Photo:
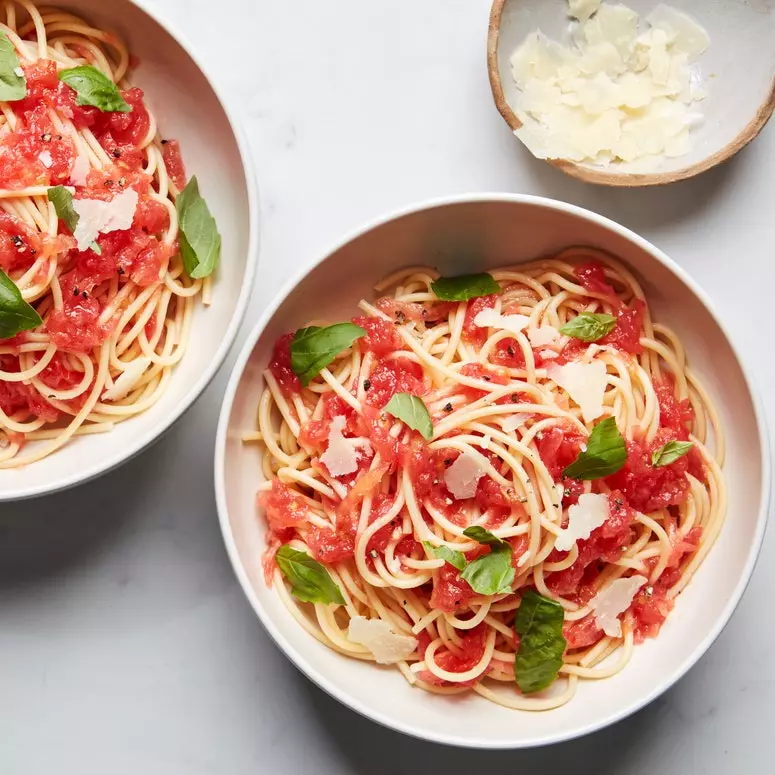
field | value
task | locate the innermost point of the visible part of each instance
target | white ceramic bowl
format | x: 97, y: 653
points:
x: 474, y: 234
x: 187, y: 107
x: 738, y: 69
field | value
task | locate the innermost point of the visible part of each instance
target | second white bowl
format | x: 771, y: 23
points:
x: 475, y: 234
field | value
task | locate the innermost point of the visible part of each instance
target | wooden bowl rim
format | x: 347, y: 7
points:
x: 602, y: 177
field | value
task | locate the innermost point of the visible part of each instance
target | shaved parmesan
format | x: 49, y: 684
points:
x: 585, y: 383
x: 489, y: 318
x: 341, y: 455
x: 516, y: 420
x: 44, y: 157
x: 377, y: 636
x: 98, y: 217
x: 605, y: 98
x: 80, y: 171
x: 583, y: 9
x: 18, y: 71
x: 587, y: 515
x: 462, y: 477
x: 127, y: 380
x: 543, y: 335
x: 614, y: 600
x: 684, y: 34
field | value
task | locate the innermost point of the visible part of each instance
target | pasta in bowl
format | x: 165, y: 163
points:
x: 111, y: 223
x: 497, y: 483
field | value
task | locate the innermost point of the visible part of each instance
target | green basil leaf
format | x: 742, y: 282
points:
x: 94, y: 88
x: 62, y: 200
x: 200, y: 241
x: 605, y: 454
x: 465, y: 287
x: 483, y: 536
x: 412, y: 411
x: 589, y: 326
x: 490, y: 574
x: 670, y: 453
x: 452, y: 556
x: 313, y: 348
x: 12, y: 85
x: 16, y: 315
x: 539, y: 624
x: 310, y: 581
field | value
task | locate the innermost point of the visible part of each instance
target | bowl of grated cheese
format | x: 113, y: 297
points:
x: 634, y: 94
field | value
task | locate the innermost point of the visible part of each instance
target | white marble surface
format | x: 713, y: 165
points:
x: 125, y: 644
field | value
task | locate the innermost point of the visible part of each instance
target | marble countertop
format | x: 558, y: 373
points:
x: 126, y: 645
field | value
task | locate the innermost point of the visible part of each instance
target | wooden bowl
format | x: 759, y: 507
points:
x: 738, y: 69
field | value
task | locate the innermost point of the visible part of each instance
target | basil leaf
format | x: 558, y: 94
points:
x: 412, y: 411
x: 670, y: 453
x: 15, y: 314
x: 589, y: 326
x: 94, y: 88
x: 62, y: 200
x: 310, y: 581
x: 313, y: 348
x: 12, y: 85
x: 606, y: 453
x: 465, y: 287
x: 200, y: 241
x: 541, y: 643
x: 452, y: 556
x: 490, y: 574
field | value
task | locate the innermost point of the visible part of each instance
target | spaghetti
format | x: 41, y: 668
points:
x: 482, y: 368
x: 116, y: 316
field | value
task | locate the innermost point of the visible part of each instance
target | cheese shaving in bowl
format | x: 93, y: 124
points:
x: 617, y: 94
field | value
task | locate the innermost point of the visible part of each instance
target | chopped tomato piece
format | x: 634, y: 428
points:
x: 173, y: 161
x: 397, y: 375
x: 592, y: 278
x: 18, y: 397
x: 381, y: 337
x: 471, y: 332
x: 284, y: 507
x: 280, y: 366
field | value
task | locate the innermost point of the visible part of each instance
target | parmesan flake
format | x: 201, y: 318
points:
x: 462, y: 477
x: 542, y: 335
x: 44, y: 157
x: 585, y: 383
x: 80, y: 171
x: 516, y: 420
x: 613, y: 600
x: 588, y: 514
x: 378, y: 637
x: 98, y: 217
x: 127, y: 380
x: 489, y: 318
x: 341, y: 455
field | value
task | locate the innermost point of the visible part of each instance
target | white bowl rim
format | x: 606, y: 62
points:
x: 320, y: 679
x: 125, y: 454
